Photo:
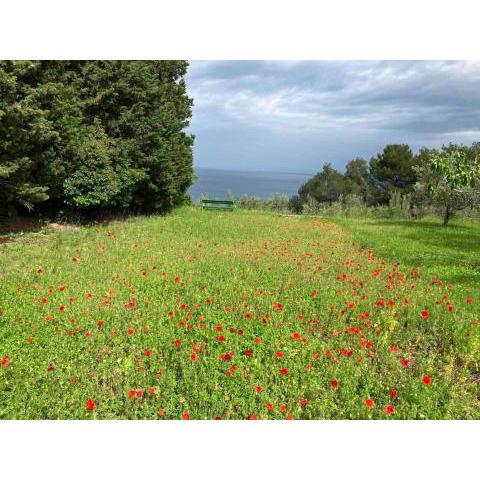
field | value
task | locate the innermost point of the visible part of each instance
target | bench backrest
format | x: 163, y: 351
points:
x: 219, y: 204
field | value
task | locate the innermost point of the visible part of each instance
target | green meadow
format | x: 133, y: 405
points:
x: 241, y: 315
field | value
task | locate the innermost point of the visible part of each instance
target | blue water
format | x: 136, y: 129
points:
x: 216, y: 183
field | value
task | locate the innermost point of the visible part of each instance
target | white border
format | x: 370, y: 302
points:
x: 246, y: 29
x: 239, y: 450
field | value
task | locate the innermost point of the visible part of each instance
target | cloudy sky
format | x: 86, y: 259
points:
x: 295, y: 116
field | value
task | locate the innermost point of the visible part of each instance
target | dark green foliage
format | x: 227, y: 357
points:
x: 325, y: 186
x: 357, y: 178
x: 95, y: 134
x: 295, y: 204
x: 390, y: 170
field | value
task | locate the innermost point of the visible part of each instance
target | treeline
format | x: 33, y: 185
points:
x: 447, y: 179
x: 92, y: 135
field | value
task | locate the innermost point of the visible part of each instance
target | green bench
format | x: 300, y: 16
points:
x: 218, y: 205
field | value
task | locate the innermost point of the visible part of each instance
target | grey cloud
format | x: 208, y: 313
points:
x: 324, y: 103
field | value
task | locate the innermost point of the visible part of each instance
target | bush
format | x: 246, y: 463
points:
x: 295, y: 204
x: 250, y: 203
x: 278, y: 203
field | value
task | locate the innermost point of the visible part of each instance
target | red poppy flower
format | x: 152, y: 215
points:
x: 427, y: 380
x: 100, y: 323
x: 50, y: 368
x: 289, y: 416
x: 369, y: 403
x: 314, y: 293
x: 404, y: 362
x: 258, y: 388
x: 152, y: 390
x: 269, y: 406
x: 248, y: 353
x: 389, y: 410
x: 218, y: 417
x: 253, y: 417
x: 221, y: 338
x: 29, y: 339
x: 186, y: 416
x: 131, y: 393
x: 279, y: 354
x: 282, y: 407
x: 303, y: 402
x: 90, y: 405
x: 283, y: 371
x: 334, y: 383
x: 193, y: 356
x: 394, y: 394
x: 393, y: 348
x: 178, y: 343
x: 139, y: 393
x: 425, y: 313
x: 5, y: 361
x: 148, y: 352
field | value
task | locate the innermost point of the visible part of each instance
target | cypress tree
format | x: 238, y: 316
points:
x: 95, y: 134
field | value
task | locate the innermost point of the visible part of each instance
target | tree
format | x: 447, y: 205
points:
x: 357, y: 178
x: 325, y: 186
x: 143, y: 107
x: 95, y: 134
x: 451, y: 178
x: 24, y: 133
x: 393, y: 169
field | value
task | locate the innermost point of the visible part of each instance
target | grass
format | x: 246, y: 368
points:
x: 233, y: 315
x: 452, y: 254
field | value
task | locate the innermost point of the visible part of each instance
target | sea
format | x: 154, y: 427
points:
x: 216, y: 184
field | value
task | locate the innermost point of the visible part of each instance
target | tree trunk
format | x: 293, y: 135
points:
x: 447, y: 214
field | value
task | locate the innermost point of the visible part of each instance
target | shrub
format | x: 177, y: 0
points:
x: 278, y: 203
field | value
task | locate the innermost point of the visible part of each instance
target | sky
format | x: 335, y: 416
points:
x: 294, y: 116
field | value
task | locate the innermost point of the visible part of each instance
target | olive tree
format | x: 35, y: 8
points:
x: 450, y: 178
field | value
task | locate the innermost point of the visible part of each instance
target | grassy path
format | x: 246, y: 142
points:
x: 452, y: 254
